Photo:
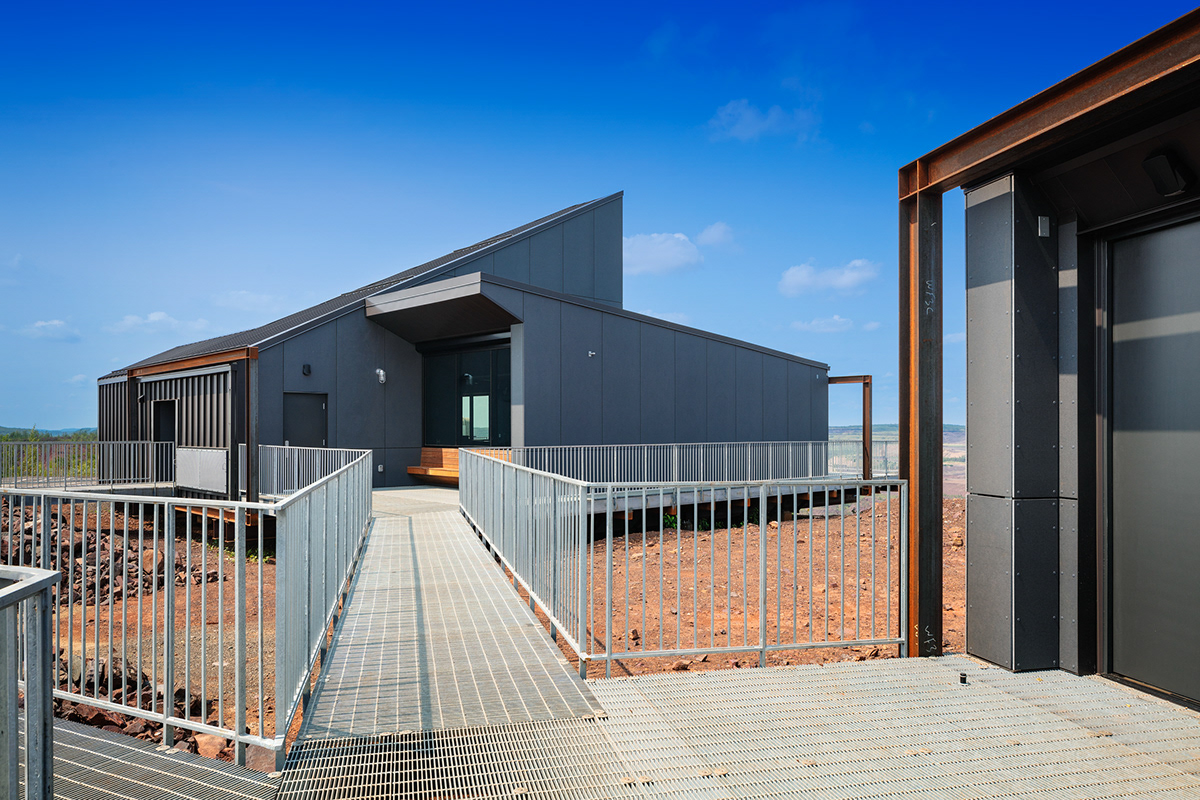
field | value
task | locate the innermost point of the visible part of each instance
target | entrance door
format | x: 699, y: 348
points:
x: 305, y: 420
x: 1155, y: 567
x: 162, y: 459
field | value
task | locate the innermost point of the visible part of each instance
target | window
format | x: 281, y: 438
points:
x: 468, y: 397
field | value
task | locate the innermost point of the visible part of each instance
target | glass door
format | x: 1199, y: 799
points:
x: 467, y: 398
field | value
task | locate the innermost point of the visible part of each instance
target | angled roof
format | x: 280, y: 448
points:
x: 255, y: 337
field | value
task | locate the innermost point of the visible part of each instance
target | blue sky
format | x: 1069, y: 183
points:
x: 176, y: 172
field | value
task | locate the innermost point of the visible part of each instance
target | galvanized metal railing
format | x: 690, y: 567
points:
x: 163, y: 612
x: 25, y: 665
x: 717, y: 461
x: 670, y: 569
x: 284, y: 470
x: 76, y: 465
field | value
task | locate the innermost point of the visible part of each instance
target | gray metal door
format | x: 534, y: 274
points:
x: 1155, y: 507
x: 304, y: 419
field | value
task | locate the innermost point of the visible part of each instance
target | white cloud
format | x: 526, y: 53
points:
x: 834, y: 324
x: 53, y: 329
x: 741, y: 120
x: 658, y: 252
x: 677, y: 317
x: 805, y: 277
x: 76, y: 379
x: 156, y: 322
x: 872, y: 326
x: 716, y: 234
x: 241, y: 300
x: 954, y: 338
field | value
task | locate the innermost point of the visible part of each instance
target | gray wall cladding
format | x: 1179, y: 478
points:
x: 343, y: 355
x: 579, y: 255
x: 593, y: 377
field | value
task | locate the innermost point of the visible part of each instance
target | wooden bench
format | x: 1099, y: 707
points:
x: 438, y: 465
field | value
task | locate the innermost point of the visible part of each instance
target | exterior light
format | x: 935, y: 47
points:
x: 381, y: 375
x: 306, y: 369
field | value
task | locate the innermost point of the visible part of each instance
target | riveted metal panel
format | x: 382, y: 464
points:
x: 582, y: 375
x: 482, y: 264
x: 989, y: 338
x: 1035, y: 584
x: 546, y: 259
x: 1070, y: 312
x: 1035, y: 346
x: 543, y: 371
x: 361, y: 350
x: 270, y: 395
x: 1069, y: 594
x: 818, y: 429
x: 609, y: 283
x: 775, y: 399
x: 512, y: 261
x: 318, y: 349
x: 620, y: 352
x: 657, y: 386
x: 691, y: 382
x: 722, y: 373
x: 989, y: 579
x: 579, y: 256
x: 749, y: 396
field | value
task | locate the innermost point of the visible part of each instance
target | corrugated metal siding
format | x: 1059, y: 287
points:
x: 202, y: 409
x: 112, y: 420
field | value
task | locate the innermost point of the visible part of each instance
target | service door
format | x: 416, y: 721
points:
x: 304, y: 420
x: 1155, y: 496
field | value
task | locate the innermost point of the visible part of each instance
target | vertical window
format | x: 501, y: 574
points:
x: 467, y: 399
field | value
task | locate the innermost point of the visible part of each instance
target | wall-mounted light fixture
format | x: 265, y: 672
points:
x: 381, y: 375
x: 1168, y: 173
x: 306, y: 369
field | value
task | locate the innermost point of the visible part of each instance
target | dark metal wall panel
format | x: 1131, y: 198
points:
x: 1035, y: 584
x: 546, y: 259
x: 657, y: 384
x: 691, y: 381
x: 270, y: 395
x: 579, y: 256
x: 989, y: 579
x: 1070, y: 596
x: 989, y: 338
x: 1035, y: 346
x: 317, y: 348
x: 621, y: 355
x: 582, y: 375
x: 402, y: 412
x: 543, y: 371
x: 202, y: 408
x: 609, y: 263
x: 749, y: 397
x: 112, y: 420
x: 818, y: 426
x: 396, y: 461
x: 722, y: 392
x: 1070, y: 311
x: 482, y: 264
x: 513, y: 261
x: 775, y: 399
x: 799, y: 399
x: 361, y: 416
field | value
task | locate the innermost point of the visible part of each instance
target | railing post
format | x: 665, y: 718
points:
x: 169, y: 620
x: 608, y: 582
x: 39, y: 717
x: 762, y: 575
x: 554, y: 532
x: 239, y: 634
x: 902, y: 546
x: 584, y: 588
x: 9, y: 670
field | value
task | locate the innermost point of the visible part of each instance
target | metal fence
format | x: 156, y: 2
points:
x: 165, y: 608
x: 285, y: 470
x: 722, y: 461
x: 25, y: 664
x: 667, y: 569
x: 77, y: 465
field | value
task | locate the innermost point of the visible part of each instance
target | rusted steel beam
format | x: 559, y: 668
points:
x: 921, y: 413
x: 1152, y: 67
x: 225, y: 356
x: 865, y: 380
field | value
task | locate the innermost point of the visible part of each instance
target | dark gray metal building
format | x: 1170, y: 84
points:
x: 518, y: 340
x: 1083, y: 371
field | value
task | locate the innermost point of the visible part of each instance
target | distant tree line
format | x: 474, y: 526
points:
x: 34, y: 435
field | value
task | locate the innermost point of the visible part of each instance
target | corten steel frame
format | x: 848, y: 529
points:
x: 1095, y: 102
x: 865, y: 380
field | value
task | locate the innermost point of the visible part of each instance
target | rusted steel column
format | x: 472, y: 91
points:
x: 921, y: 409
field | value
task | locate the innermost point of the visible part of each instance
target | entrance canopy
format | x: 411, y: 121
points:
x: 466, y: 306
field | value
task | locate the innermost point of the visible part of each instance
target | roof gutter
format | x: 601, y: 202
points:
x: 223, y: 357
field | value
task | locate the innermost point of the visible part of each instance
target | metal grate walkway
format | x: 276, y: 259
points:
x: 433, y: 637
x: 94, y: 764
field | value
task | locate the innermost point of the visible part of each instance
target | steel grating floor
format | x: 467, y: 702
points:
x: 433, y: 637
x: 94, y: 764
